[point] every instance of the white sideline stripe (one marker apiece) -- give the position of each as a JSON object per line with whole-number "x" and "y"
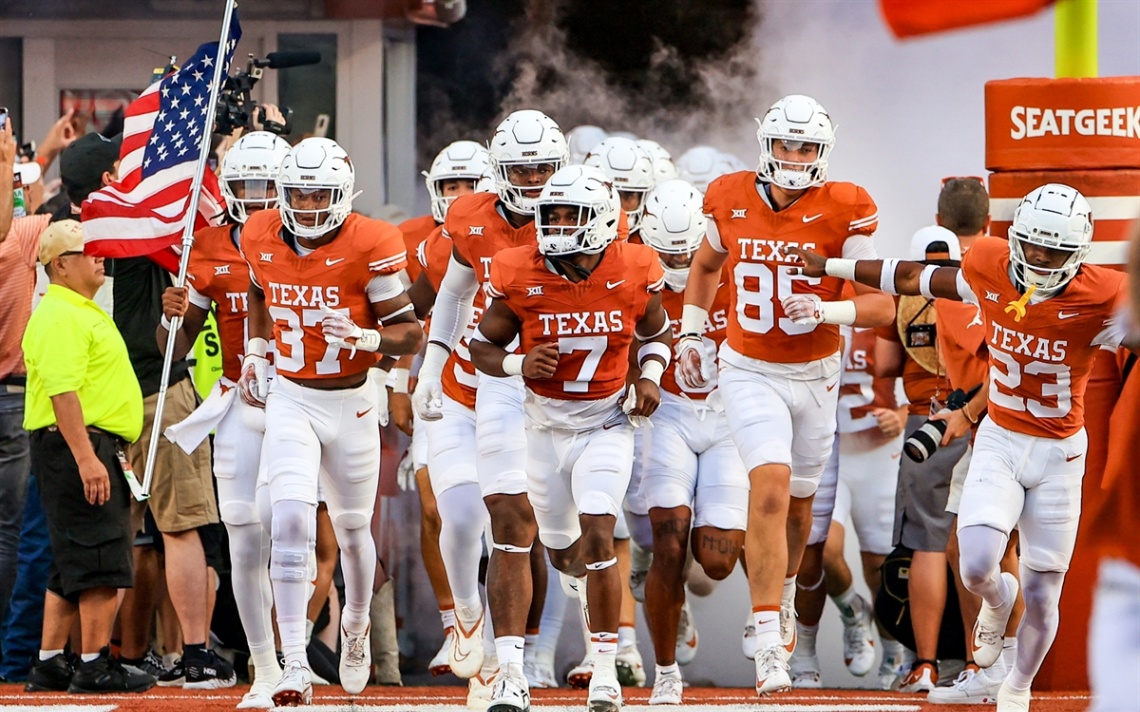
{"x": 58, "y": 708}
{"x": 1103, "y": 208}
{"x": 753, "y": 707}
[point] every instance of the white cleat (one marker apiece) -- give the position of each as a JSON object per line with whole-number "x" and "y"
{"x": 295, "y": 686}
{"x": 973, "y": 687}
{"x": 989, "y": 630}
{"x": 466, "y": 654}
{"x": 605, "y": 694}
{"x": 630, "y": 670}
{"x": 687, "y": 639}
{"x": 355, "y": 660}
{"x": 921, "y": 678}
{"x": 580, "y": 675}
{"x": 259, "y": 697}
{"x": 540, "y": 675}
{"x": 788, "y": 628}
{"x": 1011, "y": 700}
{"x": 439, "y": 665}
{"x": 805, "y": 672}
{"x": 858, "y": 642}
{"x": 772, "y": 670}
{"x": 480, "y": 689}
{"x": 894, "y": 668}
{"x": 667, "y": 690}
{"x": 511, "y": 692}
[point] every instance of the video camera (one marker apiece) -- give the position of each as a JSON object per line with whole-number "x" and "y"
{"x": 236, "y": 106}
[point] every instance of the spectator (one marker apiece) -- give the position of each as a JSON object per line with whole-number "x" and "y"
{"x": 19, "y": 246}
{"x": 179, "y": 511}
{"x": 83, "y": 405}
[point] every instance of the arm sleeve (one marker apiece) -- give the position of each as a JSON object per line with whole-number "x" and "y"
{"x": 383, "y": 287}
{"x": 197, "y": 298}
{"x": 859, "y": 247}
{"x": 453, "y": 304}
{"x": 712, "y": 236}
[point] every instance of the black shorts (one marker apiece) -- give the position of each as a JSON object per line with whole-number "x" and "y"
{"x": 91, "y": 545}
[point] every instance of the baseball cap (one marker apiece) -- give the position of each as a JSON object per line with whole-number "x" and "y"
{"x": 60, "y": 237}
{"x": 84, "y": 162}
{"x": 930, "y": 236}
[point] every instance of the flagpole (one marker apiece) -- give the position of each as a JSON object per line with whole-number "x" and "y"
{"x": 188, "y": 240}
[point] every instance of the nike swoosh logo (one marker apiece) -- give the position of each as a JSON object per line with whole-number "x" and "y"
{"x": 330, "y": 262}
{"x": 1063, "y": 315}
{"x": 611, "y": 285}
{"x": 1074, "y": 457}
{"x": 813, "y": 217}
{"x": 362, "y": 413}
{"x": 832, "y": 387}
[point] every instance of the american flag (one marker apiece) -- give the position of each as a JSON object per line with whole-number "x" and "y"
{"x": 143, "y": 213}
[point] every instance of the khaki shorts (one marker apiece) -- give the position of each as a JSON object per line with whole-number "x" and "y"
{"x": 182, "y": 490}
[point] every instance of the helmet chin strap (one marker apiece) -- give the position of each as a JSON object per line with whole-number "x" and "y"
{"x": 565, "y": 267}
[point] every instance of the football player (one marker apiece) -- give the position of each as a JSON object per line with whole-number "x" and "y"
{"x": 319, "y": 272}
{"x": 780, "y": 363}
{"x": 1047, "y": 313}
{"x": 693, "y": 481}
{"x": 575, "y": 301}
{"x": 630, "y": 169}
{"x": 525, "y": 150}
{"x": 218, "y": 276}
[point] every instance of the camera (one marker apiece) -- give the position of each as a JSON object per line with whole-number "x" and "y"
{"x": 236, "y": 106}
{"x": 924, "y": 441}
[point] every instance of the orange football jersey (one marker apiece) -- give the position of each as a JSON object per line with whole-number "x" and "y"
{"x": 478, "y": 231}
{"x": 822, "y": 220}
{"x": 458, "y": 378}
{"x": 860, "y": 392}
{"x": 335, "y": 275}
{"x": 715, "y": 328}
{"x": 1040, "y": 363}
{"x": 591, "y": 321}
{"x": 416, "y": 231}
{"x": 961, "y": 334}
{"x": 218, "y": 272}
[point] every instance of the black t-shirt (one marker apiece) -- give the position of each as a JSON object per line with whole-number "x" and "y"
{"x": 138, "y": 288}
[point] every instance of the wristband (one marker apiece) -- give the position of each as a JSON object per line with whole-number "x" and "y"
{"x": 257, "y": 346}
{"x": 652, "y": 370}
{"x": 654, "y": 348}
{"x": 398, "y": 380}
{"x": 693, "y": 319}
{"x": 966, "y": 412}
{"x": 887, "y": 276}
{"x": 513, "y": 364}
{"x": 369, "y": 340}
{"x": 843, "y": 312}
{"x": 839, "y": 267}
{"x": 924, "y": 281}
{"x": 166, "y": 323}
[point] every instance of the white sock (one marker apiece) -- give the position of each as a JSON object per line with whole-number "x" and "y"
{"x": 603, "y": 650}
{"x": 463, "y": 517}
{"x": 673, "y": 670}
{"x": 294, "y": 539}
{"x": 447, "y": 617}
{"x": 509, "y": 648}
{"x": 788, "y": 596}
{"x": 1009, "y": 652}
{"x": 88, "y": 657}
{"x": 627, "y": 635}
{"x": 46, "y": 655}
{"x": 805, "y": 639}
{"x": 767, "y": 624}
{"x": 530, "y": 647}
{"x": 553, "y": 617}
{"x": 253, "y": 592}
{"x": 358, "y": 565}
{"x": 846, "y": 602}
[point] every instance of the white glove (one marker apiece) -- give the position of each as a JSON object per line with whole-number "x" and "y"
{"x": 628, "y": 404}
{"x": 253, "y": 384}
{"x": 804, "y": 309}
{"x": 338, "y": 329}
{"x": 379, "y": 378}
{"x": 693, "y": 368}
{"x": 428, "y": 396}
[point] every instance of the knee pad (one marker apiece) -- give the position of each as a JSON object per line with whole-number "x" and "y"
{"x": 721, "y": 516}
{"x": 597, "y": 503}
{"x": 805, "y": 482}
{"x": 289, "y": 565}
{"x": 351, "y": 519}
{"x": 238, "y": 513}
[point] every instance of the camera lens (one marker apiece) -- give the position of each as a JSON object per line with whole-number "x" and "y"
{"x": 923, "y": 442}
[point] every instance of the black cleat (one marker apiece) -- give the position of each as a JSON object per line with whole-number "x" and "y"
{"x": 107, "y": 674}
{"x": 52, "y": 675}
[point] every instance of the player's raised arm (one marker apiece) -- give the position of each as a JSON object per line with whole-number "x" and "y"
{"x": 891, "y": 276}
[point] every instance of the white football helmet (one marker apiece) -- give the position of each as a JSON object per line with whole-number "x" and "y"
{"x": 526, "y": 137}
{"x": 316, "y": 164}
{"x": 599, "y": 210}
{"x": 729, "y": 163}
{"x": 253, "y": 160}
{"x": 663, "y": 166}
{"x": 582, "y": 139}
{"x": 461, "y": 160}
{"x": 674, "y": 224}
{"x": 796, "y": 119}
{"x": 629, "y": 168}
{"x": 1057, "y": 217}
{"x": 699, "y": 166}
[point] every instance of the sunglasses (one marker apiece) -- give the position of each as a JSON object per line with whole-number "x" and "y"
{"x": 979, "y": 179}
